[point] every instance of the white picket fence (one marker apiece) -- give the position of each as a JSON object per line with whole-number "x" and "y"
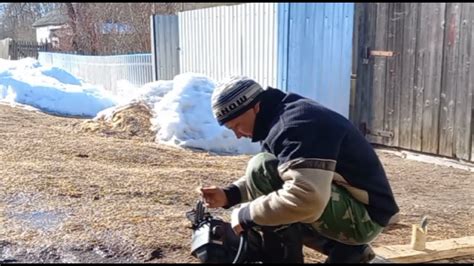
{"x": 104, "y": 70}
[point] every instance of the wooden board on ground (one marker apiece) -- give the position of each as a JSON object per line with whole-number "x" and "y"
{"x": 435, "y": 250}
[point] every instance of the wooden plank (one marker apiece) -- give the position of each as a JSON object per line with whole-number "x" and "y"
{"x": 355, "y": 39}
{"x": 382, "y": 53}
{"x": 472, "y": 112}
{"x": 472, "y": 121}
{"x": 418, "y": 81}
{"x": 435, "y": 250}
{"x": 360, "y": 111}
{"x": 433, "y": 66}
{"x": 449, "y": 78}
{"x": 365, "y": 30}
{"x": 463, "y": 119}
{"x": 408, "y": 74}
{"x": 389, "y": 75}
{"x": 425, "y": 75}
{"x": 376, "y": 117}
{"x": 398, "y": 64}
{"x": 355, "y": 62}
{"x": 394, "y": 73}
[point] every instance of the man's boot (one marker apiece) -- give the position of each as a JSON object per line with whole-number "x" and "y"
{"x": 343, "y": 253}
{"x": 336, "y": 251}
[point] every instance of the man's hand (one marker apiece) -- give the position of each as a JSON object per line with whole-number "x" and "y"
{"x": 235, "y": 221}
{"x": 214, "y": 197}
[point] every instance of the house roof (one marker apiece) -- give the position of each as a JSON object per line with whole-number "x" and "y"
{"x": 52, "y": 18}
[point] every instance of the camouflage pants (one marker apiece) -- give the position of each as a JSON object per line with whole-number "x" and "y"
{"x": 345, "y": 219}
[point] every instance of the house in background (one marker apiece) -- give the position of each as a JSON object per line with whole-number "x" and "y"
{"x": 55, "y": 28}
{"x": 112, "y": 27}
{"x": 48, "y": 25}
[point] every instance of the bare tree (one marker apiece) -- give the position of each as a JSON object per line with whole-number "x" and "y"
{"x": 69, "y": 40}
{"x": 82, "y": 34}
{"x": 132, "y": 21}
{"x": 92, "y": 28}
{"x": 112, "y": 28}
{"x": 16, "y": 19}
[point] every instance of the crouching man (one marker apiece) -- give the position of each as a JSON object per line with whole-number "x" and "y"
{"x": 318, "y": 175}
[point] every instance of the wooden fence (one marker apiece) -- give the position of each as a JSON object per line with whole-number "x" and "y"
{"x": 415, "y": 76}
{"x": 22, "y": 49}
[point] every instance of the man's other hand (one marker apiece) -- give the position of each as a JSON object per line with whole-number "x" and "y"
{"x": 235, "y": 221}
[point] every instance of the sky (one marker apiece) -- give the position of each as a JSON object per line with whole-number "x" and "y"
{"x": 181, "y": 107}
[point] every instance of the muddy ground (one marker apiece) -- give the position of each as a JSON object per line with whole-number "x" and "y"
{"x": 72, "y": 195}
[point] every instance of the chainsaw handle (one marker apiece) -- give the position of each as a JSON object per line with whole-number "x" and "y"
{"x": 242, "y": 250}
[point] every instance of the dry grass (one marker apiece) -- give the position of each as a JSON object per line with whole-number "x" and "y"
{"x": 129, "y": 121}
{"x": 133, "y": 192}
{"x": 130, "y": 194}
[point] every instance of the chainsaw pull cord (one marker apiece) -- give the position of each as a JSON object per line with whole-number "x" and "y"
{"x": 242, "y": 251}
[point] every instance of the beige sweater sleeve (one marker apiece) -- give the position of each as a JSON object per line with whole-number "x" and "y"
{"x": 303, "y": 198}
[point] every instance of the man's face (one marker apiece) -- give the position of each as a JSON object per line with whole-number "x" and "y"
{"x": 243, "y": 124}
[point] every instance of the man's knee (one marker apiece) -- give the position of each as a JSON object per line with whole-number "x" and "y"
{"x": 262, "y": 174}
{"x": 262, "y": 164}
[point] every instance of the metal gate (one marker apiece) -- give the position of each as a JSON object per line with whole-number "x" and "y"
{"x": 165, "y": 46}
{"x": 22, "y": 49}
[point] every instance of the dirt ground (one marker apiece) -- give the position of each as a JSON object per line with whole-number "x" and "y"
{"x": 71, "y": 195}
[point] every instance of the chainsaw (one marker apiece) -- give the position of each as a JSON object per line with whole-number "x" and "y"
{"x": 214, "y": 241}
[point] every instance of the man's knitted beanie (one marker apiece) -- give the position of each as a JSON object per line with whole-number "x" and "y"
{"x": 233, "y": 96}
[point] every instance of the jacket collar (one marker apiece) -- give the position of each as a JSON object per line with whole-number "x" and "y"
{"x": 270, "y": 103}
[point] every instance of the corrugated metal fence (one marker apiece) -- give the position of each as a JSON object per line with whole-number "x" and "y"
{"x": 297, "y": 47}
{"x": 316, "y": 51}
{"x": 4, "y": 51}
{"x": 230, "y": 40}
{"x": 165, "y": 46}
{"x": 104, "y": 70}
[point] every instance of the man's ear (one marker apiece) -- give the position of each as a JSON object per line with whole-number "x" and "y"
{"x": 257, "y": 107}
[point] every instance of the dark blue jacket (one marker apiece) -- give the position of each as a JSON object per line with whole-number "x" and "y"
{"x": 291, "y": 126}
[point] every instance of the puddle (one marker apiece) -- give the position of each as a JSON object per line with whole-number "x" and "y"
{"x": 42, "y": 220}
{"x": 31, "y": 211}
{"x": 36, "y": 217}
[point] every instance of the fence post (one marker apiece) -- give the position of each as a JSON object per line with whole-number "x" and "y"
{"x": 12, "y": 50}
